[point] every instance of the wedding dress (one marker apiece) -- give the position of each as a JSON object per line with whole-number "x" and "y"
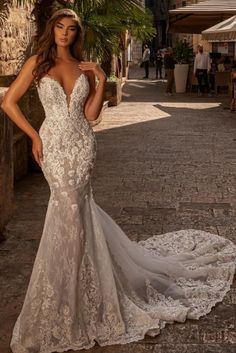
{"x": 90, "y": 283}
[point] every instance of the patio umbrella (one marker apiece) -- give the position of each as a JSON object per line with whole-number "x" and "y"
{"x": 223, "y": 31}
{"x": 197, "y": 17}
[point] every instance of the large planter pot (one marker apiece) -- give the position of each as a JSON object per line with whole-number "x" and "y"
{"x": 113, "y": 92}
{"x": 181, "y": 75}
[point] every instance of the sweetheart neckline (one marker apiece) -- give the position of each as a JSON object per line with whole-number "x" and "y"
{"x": 56, "y": 80}
{"x": 62, "y": 88}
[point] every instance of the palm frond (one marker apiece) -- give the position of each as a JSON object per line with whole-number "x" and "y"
{"x": 107, "y": 19}
{"x": 4, "y": 10}
{"x": 25, "y": 2}
{"x": 104, "y": 21}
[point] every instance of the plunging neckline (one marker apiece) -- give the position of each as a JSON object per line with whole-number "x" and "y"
{"x": 62, "y": 88}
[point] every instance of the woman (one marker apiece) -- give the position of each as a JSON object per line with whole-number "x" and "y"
{"x": 90, "y": 283}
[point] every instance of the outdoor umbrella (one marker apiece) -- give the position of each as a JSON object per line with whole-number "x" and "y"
{"x": 200, "y": 15}
{"x": 223, "y": 31}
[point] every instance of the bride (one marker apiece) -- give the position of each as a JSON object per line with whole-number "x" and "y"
{"x": 91, "y": 284}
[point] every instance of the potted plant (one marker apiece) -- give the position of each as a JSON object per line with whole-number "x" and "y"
{"x": 183, "y": 55}
{"x": 113, "y": 91}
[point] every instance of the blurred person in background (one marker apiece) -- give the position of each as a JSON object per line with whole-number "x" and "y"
{"x": 169, "y": 64}
{"x": 159, "y": 62}
{"x": 233, "y": 82}
{"x": 202, "y": 66}
{"x": 145, "y": 60}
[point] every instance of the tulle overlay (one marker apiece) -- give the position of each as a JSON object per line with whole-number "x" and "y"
{"x": 90, "y": 283}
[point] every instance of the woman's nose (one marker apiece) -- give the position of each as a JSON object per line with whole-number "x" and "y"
{"x": 65, "y": 32}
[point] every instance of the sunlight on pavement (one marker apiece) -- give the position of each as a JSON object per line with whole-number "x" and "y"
{"x": 138, "y": 85}
{"x": 129, "y": 114}
{"x": 200, "y": 105}
{"x": 126, "y": 94}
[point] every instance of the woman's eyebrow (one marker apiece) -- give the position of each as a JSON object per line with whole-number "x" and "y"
{"x": 73, "y": 26}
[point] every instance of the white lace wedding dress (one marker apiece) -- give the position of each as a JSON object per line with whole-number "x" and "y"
{"x": 90, "y": 283}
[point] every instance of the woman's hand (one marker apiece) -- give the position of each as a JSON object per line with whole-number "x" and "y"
{"x": 37, "y": 149}
{"x": 95, "y": 68}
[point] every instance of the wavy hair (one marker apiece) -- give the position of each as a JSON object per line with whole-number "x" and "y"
{"x": 47, "y": 48}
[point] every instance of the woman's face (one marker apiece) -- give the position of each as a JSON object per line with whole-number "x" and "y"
{"x": 65, "y": 31}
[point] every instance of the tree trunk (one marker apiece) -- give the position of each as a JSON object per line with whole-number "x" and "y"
{"x": 107, "y": 63}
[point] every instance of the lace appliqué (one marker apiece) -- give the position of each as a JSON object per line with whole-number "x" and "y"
{"x": 69, "y": 145}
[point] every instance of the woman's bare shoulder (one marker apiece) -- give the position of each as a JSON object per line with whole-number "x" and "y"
{"x": 32, "y": 61}
{"x": 29, "y": 66}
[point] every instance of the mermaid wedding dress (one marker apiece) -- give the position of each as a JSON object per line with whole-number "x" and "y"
{"x": 90, "y": 283}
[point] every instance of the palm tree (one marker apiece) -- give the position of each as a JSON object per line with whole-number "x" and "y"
{"x": 104, "y": 21}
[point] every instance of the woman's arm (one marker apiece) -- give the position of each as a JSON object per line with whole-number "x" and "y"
{"x": 95, "y": 98}
{"x": 11, "y": 108}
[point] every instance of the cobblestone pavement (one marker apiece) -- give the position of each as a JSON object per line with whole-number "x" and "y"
{"x": 163, "y": 164}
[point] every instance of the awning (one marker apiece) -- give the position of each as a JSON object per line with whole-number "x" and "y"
{"x": 196, "y": 18}
{"x": 223, "y": 31}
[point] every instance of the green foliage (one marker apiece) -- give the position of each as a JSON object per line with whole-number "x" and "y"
{"x": 139, "y": 24}
{"x": 183, "y": 52}
{"x": 105, "y": 22}
{"x": 112, "y": 78}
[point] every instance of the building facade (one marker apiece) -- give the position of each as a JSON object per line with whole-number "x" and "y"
{"x": 193, "y": 39}
{"x": 160, "y": 10}
{"x": 134, "y": 50}
{"x": 174, "y": 4}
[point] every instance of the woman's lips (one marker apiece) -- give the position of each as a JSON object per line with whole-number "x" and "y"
{"x": 64, "y": 40}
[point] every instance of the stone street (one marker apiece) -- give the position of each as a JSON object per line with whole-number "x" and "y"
{"x": 163, "y": 164}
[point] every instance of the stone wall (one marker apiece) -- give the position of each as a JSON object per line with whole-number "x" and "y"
{"x": 136, "y": 45}
{"x": 33, "y": 111}
{"x": 180, "y": 3}
{"x": 136, "y": 49}
{"x": 6, "y": 168}
{"x": 15, "y": 37}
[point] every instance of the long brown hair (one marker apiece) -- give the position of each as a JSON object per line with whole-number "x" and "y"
{"x": 46, "y": 52}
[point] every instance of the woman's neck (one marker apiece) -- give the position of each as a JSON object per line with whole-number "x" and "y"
{"x": 64, "y": 54}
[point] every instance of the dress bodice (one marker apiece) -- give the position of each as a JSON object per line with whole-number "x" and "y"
{"x": 68, "y": 139}
{"x": 57, "y": 104}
